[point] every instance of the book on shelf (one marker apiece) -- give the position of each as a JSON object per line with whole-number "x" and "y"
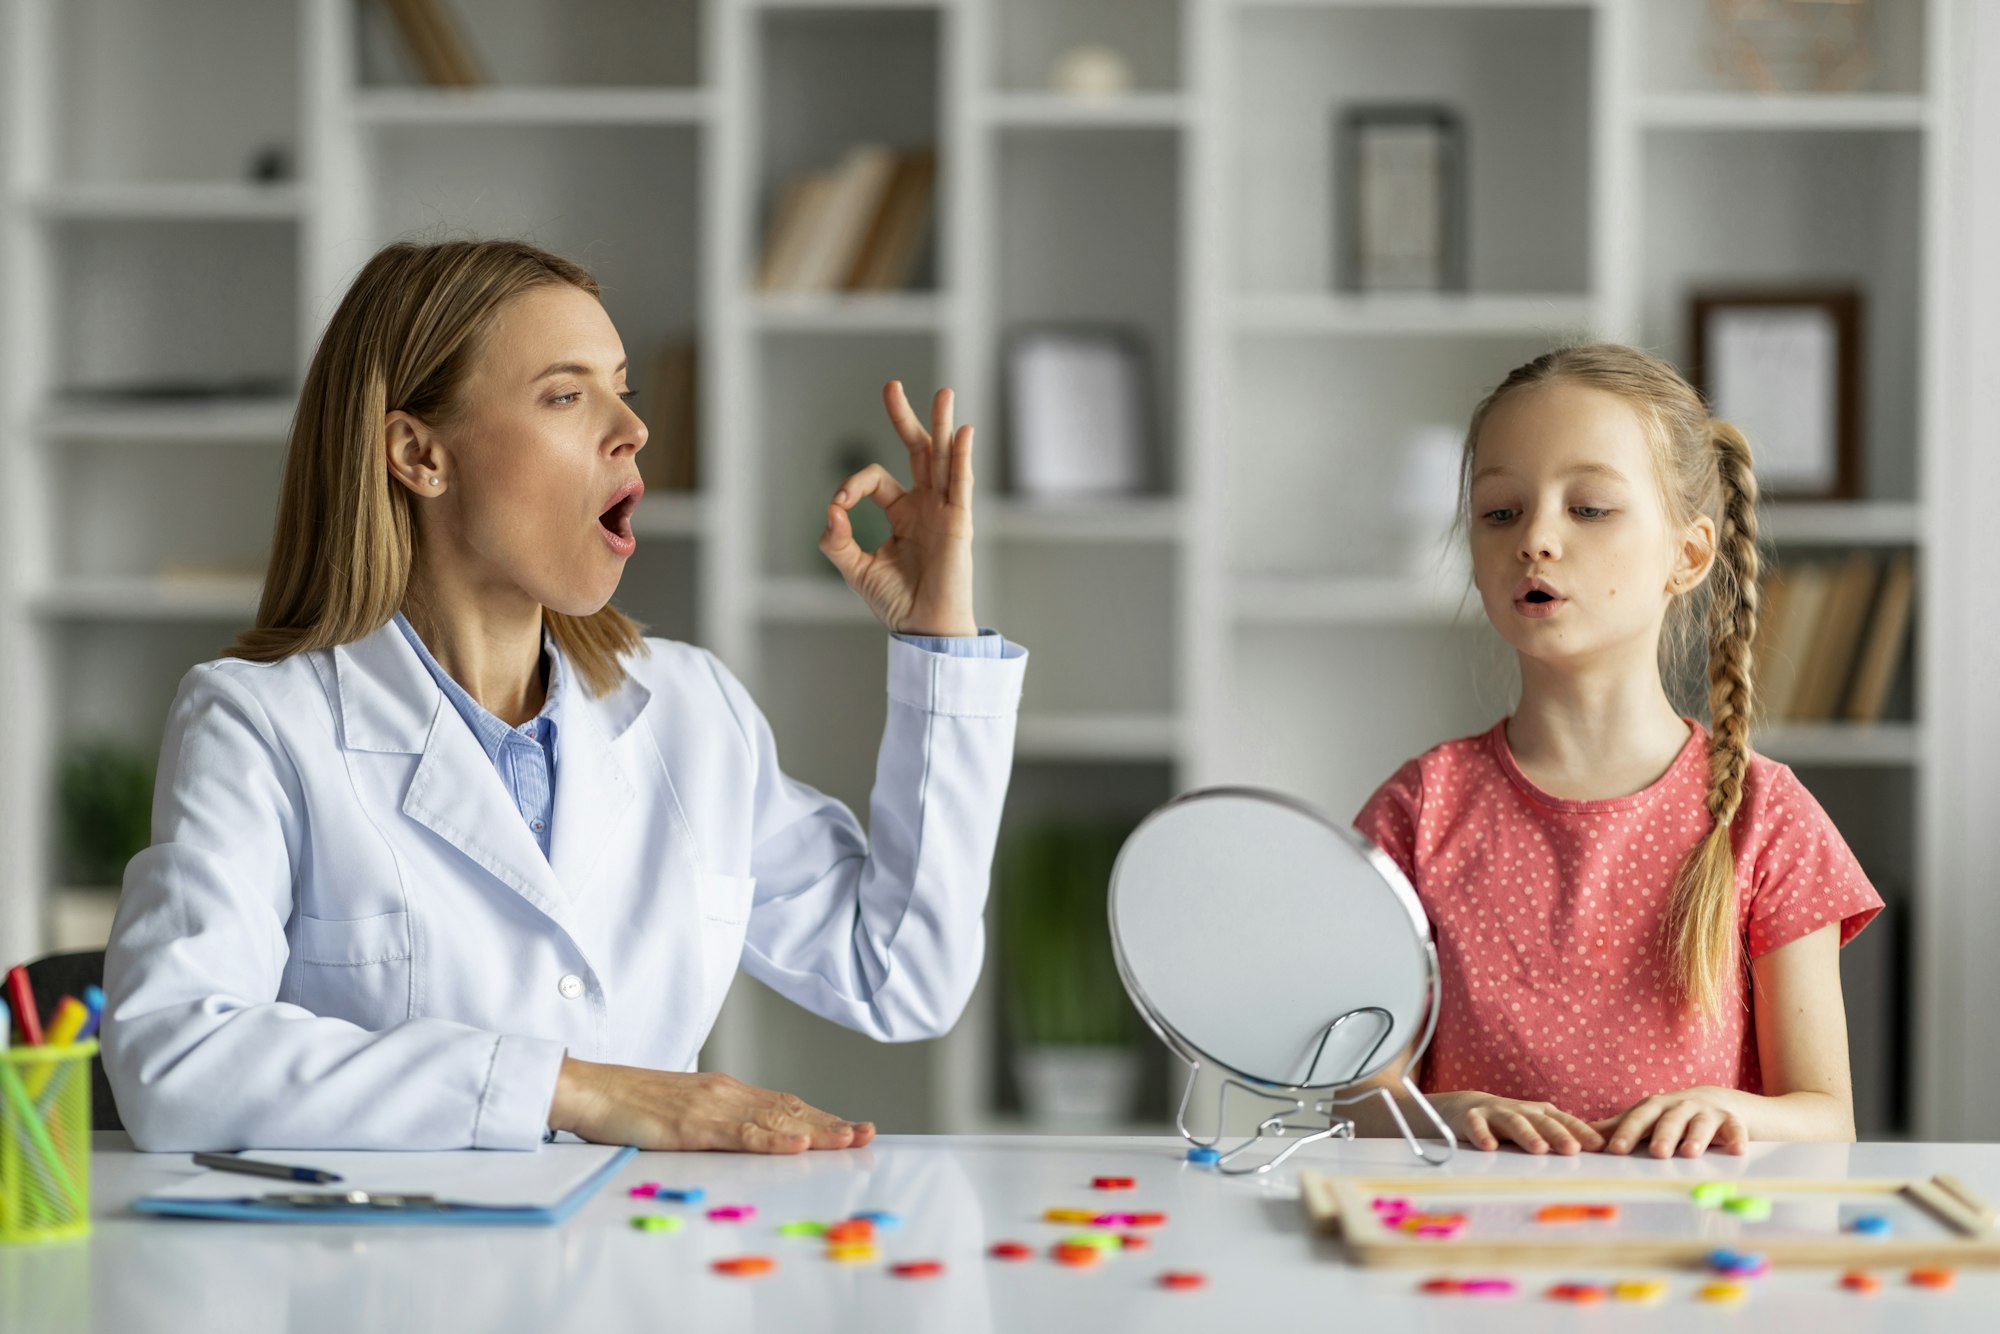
{"x": 667, "y": 463}
{"x": 436, "y": 43}
{"x": 1831, "y": 636}
{"x": 859, "y": 227}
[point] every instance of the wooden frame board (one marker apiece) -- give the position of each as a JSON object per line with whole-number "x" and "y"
{"x": 1938, "y": 1221}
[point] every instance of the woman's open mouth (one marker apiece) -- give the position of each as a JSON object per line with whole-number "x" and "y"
{"x": 615, "y": 522}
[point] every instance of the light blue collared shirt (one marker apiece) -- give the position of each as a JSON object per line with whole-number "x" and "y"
{"x": 526, "y": 755}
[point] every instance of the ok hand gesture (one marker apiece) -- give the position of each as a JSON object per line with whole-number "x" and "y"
{"x": 919, "y": 581}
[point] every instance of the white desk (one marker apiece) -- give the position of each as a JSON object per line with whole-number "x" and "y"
{"x": 956, "y": 1196}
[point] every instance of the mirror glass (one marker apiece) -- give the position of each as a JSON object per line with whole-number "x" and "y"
{"x": 1245, "y": 923}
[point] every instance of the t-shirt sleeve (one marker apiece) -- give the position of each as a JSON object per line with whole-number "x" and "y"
{"x": 1804, "y": 875}
{"x": 1389, "y": 819}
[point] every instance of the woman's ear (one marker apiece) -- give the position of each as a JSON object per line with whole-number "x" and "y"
{"x": 1694, "y": 558}
{"x": 414, "y": 454}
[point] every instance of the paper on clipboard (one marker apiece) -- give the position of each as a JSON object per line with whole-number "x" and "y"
{"x": 479, "y": 1185}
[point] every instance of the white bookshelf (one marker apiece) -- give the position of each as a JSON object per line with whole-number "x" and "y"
{"x": 1262, "y": 616}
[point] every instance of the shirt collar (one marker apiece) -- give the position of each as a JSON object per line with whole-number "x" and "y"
{"x": 489, "y": 728}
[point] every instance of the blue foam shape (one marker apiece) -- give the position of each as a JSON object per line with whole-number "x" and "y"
{"x": 881, "y": 1218}
{"x": 1873, "y": 1225}
{"x": 693, "y": 1195}
{"x": 1204, "y": 1156}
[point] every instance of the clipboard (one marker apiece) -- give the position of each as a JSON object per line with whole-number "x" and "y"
{"x": 469, "y": 1187}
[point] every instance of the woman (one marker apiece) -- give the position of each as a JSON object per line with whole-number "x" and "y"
{"x": 446, "y": 855}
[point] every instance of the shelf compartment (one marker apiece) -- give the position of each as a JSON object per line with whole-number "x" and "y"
{"x": 191, "y": 91}
{"x": 1745, "y": 210}
{"x": 661, "y": 585}
{"x": 142, "y": 201}
{"x": 1101, "y": 622}
{"x": 1086, "y": 234}
{"x": 180, "y": 303}
{"x": 534, "y": 106}
{"x": 671, "y": 514}
{"x": 546, "y": 184}
{"x": 1375, "y": 696}
{"x": 1520, "y": 78}
{"x": 1322, "y": 477}
{"x": 1031, "y": 37}
{"x": 801, "y": 599}
{"x": 551, "y": 44}
{"x": 1448, "y": 314}
{"x": 1681, "y": 53}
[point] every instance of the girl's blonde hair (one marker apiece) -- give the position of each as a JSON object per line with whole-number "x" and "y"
{"x": 406, "y": 336}
{"x": 1704, "y": 469}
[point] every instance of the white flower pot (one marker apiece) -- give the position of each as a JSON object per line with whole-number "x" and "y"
{"x": 1075, "y": 1086}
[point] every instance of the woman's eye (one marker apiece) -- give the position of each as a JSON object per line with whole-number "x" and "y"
{"x": 628, "y": 394}
{"x": 565, "y": 398}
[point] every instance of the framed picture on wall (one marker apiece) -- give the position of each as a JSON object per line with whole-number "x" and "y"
{"x": 1077, "y": 412}
{"x": 1785, "y": 367}
{"x": 1400, "y": 181}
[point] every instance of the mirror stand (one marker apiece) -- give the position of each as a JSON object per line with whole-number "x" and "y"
{"x": 1280, "y": 1126}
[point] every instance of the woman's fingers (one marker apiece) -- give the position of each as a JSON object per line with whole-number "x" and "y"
{"x": 959, "y": 490}
{"x": 941, "y": 442}
{"x": 915, "y": 438}
{"x": 754, "y": 1137}
{"x": 837, "y": 541}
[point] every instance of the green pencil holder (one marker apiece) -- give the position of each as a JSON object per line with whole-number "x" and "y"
{"x": 45, "y": 1142}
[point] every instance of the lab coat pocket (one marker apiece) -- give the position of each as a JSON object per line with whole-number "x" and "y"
{"x": 357, "y": 970}
{"x": 725, "y": 909}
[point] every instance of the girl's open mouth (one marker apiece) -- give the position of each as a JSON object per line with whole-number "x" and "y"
{"x": 616, "y": 521}
{"x": 1536, "y": 599}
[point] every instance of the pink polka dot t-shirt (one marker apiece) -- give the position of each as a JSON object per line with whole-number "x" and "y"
{"x": 1548, "y": 916}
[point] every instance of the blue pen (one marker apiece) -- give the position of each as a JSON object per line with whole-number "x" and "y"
{"x": 6, "y": 1026}
{"x": 229, "y": 1162}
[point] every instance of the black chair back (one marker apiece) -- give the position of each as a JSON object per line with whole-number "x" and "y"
{"x": 54, "y": 976}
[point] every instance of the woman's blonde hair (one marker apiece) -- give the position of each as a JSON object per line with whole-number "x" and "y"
{"x": 1704, "y": 469}
{"x": 406, "y": 336}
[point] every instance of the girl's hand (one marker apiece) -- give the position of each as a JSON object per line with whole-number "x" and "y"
{"x": 919, "y": 582}
{"x": 660, "y": 1109}
{"x": 1484, "y": 1119}
{"x": 1687, "y": 1121}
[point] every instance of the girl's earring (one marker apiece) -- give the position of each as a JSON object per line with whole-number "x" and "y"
{"x": 436, "y": 482}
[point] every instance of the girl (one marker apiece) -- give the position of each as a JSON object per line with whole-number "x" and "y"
{"x": 1598, "y": 870}
{"x": 446, "y": 855}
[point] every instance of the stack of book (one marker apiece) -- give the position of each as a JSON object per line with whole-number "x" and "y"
{"x": 1833, "y": 636}
{"x": 860, "y": 227}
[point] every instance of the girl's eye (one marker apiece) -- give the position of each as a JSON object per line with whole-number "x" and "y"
{"x": 1500, "y": 515}
{"x": 1590, "y": 511}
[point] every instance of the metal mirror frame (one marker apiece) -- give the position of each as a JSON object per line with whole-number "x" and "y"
{"x": 1279, "y": 1125}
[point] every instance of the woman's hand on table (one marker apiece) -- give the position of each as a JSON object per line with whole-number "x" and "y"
{"x": 1687, "y": 1122}
{"x": 1484, "y": 1120}
{"x": 919, "y": 581}
{"x": 663, "y": 1110}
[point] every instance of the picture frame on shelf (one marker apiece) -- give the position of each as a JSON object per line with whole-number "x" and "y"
{"x": 1784, "y": 365}
{"x": 1399, "y": 181}
{"x": 1078, "y": 416}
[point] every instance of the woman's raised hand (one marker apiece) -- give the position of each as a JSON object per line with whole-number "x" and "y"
{"x": 660, "y": 1109}
{"x": 919, "y": 581}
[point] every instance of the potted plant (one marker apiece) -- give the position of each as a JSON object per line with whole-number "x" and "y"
{"x": 104, "y": 807}
{"x": 1072, "y": 1025}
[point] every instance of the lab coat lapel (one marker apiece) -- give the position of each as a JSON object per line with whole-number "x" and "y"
{"x": 389, "y": 703}
{"x": 593, "y": 791}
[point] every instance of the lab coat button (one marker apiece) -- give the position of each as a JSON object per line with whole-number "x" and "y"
{"x": 571, "y": 986}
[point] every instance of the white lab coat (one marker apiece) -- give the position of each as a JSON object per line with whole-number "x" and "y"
{"x": 345, "y": 935}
